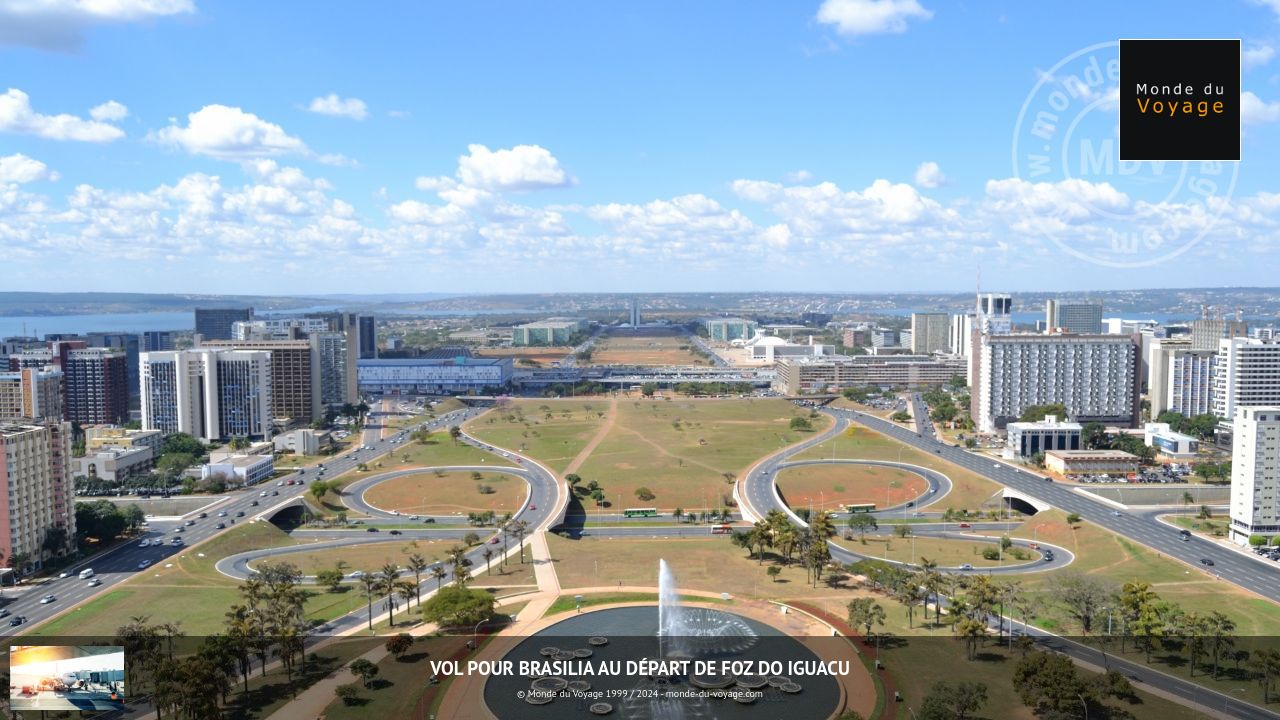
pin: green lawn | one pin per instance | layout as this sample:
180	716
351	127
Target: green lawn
552	431
688	451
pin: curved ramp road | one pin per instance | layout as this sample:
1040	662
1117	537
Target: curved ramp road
939	484
354	493
119	564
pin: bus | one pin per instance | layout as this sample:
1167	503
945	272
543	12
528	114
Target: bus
861	508
640	512
721	529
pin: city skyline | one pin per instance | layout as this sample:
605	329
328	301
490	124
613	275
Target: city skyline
733	147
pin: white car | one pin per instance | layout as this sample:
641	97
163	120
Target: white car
144	543
47	599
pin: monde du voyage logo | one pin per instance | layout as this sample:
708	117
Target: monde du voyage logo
1180	100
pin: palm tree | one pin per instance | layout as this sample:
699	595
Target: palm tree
972	631
439	573
488	555
417	564
909	594
407	592
370	583
519	528
823	524
387	578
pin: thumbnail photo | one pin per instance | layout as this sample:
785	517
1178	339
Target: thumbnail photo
66	677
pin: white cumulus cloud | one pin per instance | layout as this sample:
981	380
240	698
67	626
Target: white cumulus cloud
17	116
60	24
1256	111
868	17
929	175
1256	56
109	111
523	167
19	168
230	133
335	106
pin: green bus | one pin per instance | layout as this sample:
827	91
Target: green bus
861	508
640	512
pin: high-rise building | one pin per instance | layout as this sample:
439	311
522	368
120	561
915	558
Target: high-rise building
1206	332
348	324
213	394
330	351
1247	375
96	386
1094	376
368	337
157	341
1255	473
635	312
1083	318
128	343
31	394
992	315
280	328
884	337
930	333
960	334
37	495
295	377
1180	379
215	323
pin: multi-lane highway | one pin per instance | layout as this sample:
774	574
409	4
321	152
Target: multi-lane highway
121	563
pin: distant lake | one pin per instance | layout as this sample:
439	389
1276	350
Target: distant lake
39	326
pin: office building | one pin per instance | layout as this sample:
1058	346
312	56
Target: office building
1082	318
549	332
37	492
97	437
930	333
216	323
212	394
1121	326
1094	376
770	348
993	314
368	337
1247	375
1028	438
434	376
95	386
348	324
281	328
855	337
635	312
31	394
295	377
115	464
242	470
156	341
1206	333
884	337
1255	473
1180	379
960	334
1167	442
832	373
1072	463
303	441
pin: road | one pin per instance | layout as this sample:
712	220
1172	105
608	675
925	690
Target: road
121	563
702	345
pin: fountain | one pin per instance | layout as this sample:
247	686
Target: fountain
673	625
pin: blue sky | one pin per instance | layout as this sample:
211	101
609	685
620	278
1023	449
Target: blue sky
853	145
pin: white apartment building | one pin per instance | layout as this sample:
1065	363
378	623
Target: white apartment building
960	334
1247	375
212	394
1255	473
37	497
1180	379
1094	376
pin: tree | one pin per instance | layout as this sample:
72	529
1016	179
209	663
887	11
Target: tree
823	525
364	670
182	443
458	607
1073	518
862	523
801	424
439	573
320	488
387	578
1082	597
399	644
865	612
518	529
1051	686
645	494
455	433
347	693
1036	413
417	564
573	479
648	389
946	701
1266	663
1141	613
370	583
773	571
1093	435
1220	637
901	416
331	579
